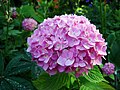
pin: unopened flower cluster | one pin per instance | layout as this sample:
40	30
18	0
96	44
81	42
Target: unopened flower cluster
108	68
29	24
67	43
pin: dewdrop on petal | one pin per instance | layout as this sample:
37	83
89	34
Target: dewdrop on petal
67	43
29	24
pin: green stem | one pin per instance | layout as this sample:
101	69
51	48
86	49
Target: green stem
104	17
8	8
2	5
116	83
101	14
77	79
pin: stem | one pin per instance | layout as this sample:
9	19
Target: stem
77	79
45	9
2	5
8	8
116	83
104	17
101	14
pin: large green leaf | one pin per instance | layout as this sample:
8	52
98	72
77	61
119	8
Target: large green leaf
28	11
46	82
110	39
105	86
87	85
83	87
19	83
1	64
36	70
94	75
5	85
96	86
18	65
27	56
14	75
21	68
114	55
12	63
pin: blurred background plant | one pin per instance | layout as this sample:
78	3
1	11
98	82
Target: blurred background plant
18	72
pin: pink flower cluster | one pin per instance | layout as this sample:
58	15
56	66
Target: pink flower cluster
29	24
108	68
67	43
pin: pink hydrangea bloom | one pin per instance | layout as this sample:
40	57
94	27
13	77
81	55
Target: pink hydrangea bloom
29	24
67	43
108	68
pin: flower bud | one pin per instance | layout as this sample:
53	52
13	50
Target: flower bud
108	68
29	24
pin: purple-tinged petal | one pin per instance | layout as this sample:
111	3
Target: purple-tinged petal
69	62
61	61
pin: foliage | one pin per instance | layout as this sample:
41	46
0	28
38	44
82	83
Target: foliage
46	82
114	48
92	81
13	77
18	72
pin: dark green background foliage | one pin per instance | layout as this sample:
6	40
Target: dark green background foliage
19	72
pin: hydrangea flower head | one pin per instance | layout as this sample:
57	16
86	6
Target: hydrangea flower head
14	14
67	43
29	24
108	68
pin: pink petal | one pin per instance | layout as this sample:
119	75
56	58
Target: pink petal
69	62
45	66
74	32
82	64
61	61
61	69
76	65
52	72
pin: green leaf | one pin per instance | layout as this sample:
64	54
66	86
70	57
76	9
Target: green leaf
5	85
36	70
14	32
73	80
0	87
110	39
83	87
105	86
38	17
114	54
94	75
12	63
1	64
87	85
96	86
28	11
46	82
19	64
112	77
27	56
21	68
19	83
